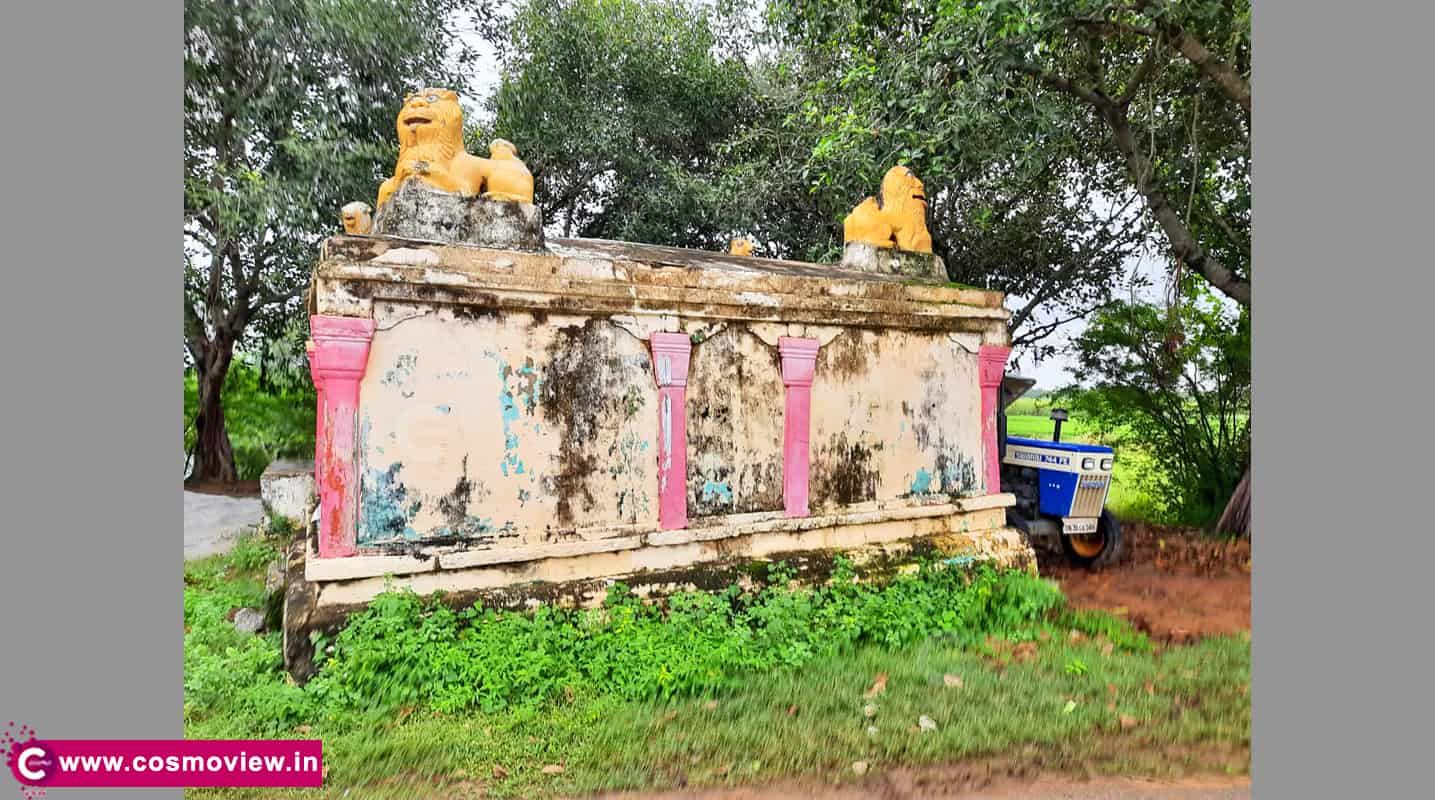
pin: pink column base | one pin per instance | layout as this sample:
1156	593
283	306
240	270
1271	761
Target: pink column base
671	355
340	355
799	365
991	365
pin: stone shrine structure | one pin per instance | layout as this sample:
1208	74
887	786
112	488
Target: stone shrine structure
531	422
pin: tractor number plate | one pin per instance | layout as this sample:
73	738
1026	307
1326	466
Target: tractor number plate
1071	525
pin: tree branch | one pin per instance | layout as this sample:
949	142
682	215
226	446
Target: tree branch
1211	66
1095	97
1183	243
1139	76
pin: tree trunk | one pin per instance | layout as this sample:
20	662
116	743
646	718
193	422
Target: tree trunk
213	454
1237	516
264	370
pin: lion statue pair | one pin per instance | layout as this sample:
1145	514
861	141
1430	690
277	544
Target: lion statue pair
430	126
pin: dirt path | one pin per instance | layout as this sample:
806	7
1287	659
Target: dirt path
1171	584
931	784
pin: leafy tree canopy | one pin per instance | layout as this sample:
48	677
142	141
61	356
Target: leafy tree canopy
288	114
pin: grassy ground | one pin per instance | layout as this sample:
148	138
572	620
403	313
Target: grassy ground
1104	697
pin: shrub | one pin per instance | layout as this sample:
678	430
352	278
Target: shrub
405	651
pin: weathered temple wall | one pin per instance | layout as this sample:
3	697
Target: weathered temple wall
503	430
735	407
895	414
488	407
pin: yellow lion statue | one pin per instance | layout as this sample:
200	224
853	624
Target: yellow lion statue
896	217
357	217
505	177
430	127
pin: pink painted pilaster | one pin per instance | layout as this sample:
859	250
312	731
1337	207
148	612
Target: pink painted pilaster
671	353
341	352
319	413
799	363
991	364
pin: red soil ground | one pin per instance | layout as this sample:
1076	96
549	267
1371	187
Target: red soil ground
1175	585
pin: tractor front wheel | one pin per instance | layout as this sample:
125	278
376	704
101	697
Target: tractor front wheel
1097	549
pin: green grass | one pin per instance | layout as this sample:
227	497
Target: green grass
263	426
802	719
1199	698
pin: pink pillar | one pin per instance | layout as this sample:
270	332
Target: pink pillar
991	362
671	353
799	363
341	352
319	413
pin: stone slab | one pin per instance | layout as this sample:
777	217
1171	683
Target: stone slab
287	489
419	211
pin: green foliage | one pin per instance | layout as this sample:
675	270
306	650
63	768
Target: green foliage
288	114
228	673
1177	386
620	108
1035	189
1100	624
263	425
1191	705
407	651
759	722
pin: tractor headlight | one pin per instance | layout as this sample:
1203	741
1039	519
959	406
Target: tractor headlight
1106	463
1088	463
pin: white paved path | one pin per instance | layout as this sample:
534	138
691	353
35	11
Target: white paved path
212	522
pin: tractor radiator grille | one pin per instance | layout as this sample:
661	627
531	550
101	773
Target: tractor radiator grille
1089	500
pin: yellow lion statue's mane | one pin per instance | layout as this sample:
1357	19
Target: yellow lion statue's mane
430	127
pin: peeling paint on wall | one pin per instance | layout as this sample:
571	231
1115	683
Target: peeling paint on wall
895	414
507	429
597	383
735	414
401	372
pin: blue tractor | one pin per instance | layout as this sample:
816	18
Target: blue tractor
1060	487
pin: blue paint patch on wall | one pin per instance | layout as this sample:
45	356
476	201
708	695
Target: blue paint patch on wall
922	484
517	389
384	508
953	474
719	489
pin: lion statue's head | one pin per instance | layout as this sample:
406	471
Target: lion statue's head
431	117
357	217
903	197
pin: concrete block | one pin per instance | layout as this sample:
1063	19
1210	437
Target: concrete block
287	489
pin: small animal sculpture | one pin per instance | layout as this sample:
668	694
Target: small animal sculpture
430	127
357	217
740	247
506	177
896	217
